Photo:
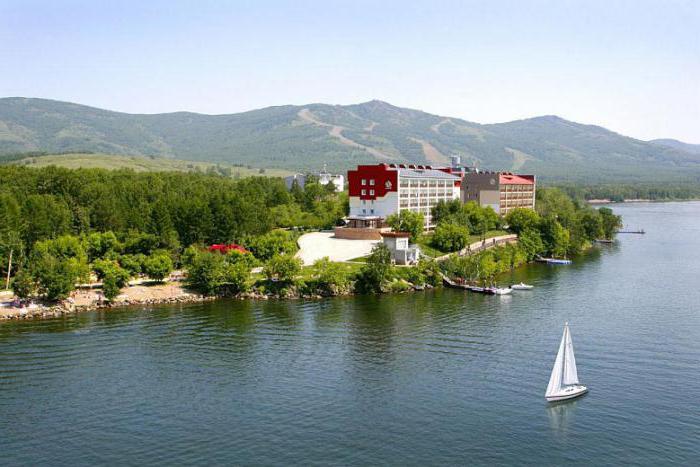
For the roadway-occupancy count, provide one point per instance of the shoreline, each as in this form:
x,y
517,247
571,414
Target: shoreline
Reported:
x,y
164,294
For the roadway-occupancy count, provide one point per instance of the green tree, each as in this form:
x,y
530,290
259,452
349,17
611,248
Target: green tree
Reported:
x,y
407,221
450,237
611,223
277,242
206,272
376,270
329,278
284,268
520,219
24,285
237,277
158,266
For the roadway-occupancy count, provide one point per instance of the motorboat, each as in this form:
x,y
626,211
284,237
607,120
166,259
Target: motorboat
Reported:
x,y
501,290
563,382
522,286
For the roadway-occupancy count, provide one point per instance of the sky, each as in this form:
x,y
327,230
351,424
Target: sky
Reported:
x,y
630,66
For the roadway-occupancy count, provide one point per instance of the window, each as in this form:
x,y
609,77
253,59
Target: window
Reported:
x,y
364,201
364,192
364,211
371,192
371,182
371,211
364,182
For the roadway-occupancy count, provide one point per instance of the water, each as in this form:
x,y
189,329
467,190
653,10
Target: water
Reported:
x,y
428,378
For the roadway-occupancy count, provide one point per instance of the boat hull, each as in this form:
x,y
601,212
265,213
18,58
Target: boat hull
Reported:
x,y
569,393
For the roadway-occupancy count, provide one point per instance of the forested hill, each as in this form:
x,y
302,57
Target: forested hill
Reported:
x,y
675,144
306,137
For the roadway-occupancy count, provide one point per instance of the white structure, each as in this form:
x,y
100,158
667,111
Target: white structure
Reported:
x,y
377,191
324,178
401,251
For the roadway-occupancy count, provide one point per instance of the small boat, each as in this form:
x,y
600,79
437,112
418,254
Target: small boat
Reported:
x,y
563,382
522,286
604,240
501,290
554,260
483,290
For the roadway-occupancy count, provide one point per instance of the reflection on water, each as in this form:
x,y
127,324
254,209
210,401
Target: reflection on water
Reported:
x,y
561,415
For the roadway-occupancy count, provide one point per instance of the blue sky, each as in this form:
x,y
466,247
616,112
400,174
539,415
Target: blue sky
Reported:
x,y
631,66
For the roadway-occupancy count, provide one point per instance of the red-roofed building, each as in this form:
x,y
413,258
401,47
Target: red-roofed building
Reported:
x,y
502,191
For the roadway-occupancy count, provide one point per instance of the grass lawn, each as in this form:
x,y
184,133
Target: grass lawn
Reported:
x,y
429,250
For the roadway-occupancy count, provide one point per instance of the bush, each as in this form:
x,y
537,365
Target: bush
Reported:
x,y
450,237
212,273
23,284
329,278
376,271
284,268
158,266
132,263
277,242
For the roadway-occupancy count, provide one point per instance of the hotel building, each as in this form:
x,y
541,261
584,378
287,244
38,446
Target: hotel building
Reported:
x,y
377,191
502,191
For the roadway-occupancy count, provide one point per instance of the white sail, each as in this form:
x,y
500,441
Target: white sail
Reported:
x,y
570,373
555,379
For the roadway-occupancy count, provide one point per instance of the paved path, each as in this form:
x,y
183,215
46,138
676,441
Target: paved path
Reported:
x,y
316,245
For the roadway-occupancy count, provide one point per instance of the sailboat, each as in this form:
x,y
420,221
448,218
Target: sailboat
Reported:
x,y
563,383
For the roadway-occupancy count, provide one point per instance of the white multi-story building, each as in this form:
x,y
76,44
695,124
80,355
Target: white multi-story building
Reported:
x,y
324,178
377,191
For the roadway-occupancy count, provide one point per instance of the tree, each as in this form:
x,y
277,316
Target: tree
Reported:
x,y
57,264
531,243
237,277
610,222
277,242
329,278
520,219
24,285
376,270
450,237
554,236
158,266
284,268
591,223
206,272
407,221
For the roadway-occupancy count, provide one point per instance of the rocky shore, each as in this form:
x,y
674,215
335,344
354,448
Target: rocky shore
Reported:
x,y
163,294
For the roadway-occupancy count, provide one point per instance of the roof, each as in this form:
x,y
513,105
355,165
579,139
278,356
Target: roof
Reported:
x,y
512,179
395,234
425,173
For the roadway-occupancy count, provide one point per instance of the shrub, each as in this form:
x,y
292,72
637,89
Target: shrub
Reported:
x,y
284,268
158,266
450,237
376,271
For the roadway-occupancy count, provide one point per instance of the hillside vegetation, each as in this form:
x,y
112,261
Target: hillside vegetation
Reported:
x,y
306,137
141,164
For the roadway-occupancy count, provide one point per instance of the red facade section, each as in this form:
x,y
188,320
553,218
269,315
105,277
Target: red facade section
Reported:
x,y
385,181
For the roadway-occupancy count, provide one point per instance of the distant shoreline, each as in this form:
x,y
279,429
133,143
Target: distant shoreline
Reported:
x,y
639,200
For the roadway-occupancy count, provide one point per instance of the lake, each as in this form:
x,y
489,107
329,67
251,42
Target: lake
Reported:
x,y
435,377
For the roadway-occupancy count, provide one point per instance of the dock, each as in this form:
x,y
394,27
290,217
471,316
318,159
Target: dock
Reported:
x,y
640,232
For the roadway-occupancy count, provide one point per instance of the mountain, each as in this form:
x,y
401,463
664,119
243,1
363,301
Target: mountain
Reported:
x,y
675,144
306,137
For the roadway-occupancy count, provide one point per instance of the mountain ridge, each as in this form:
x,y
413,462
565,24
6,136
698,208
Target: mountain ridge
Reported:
x,y
304,137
